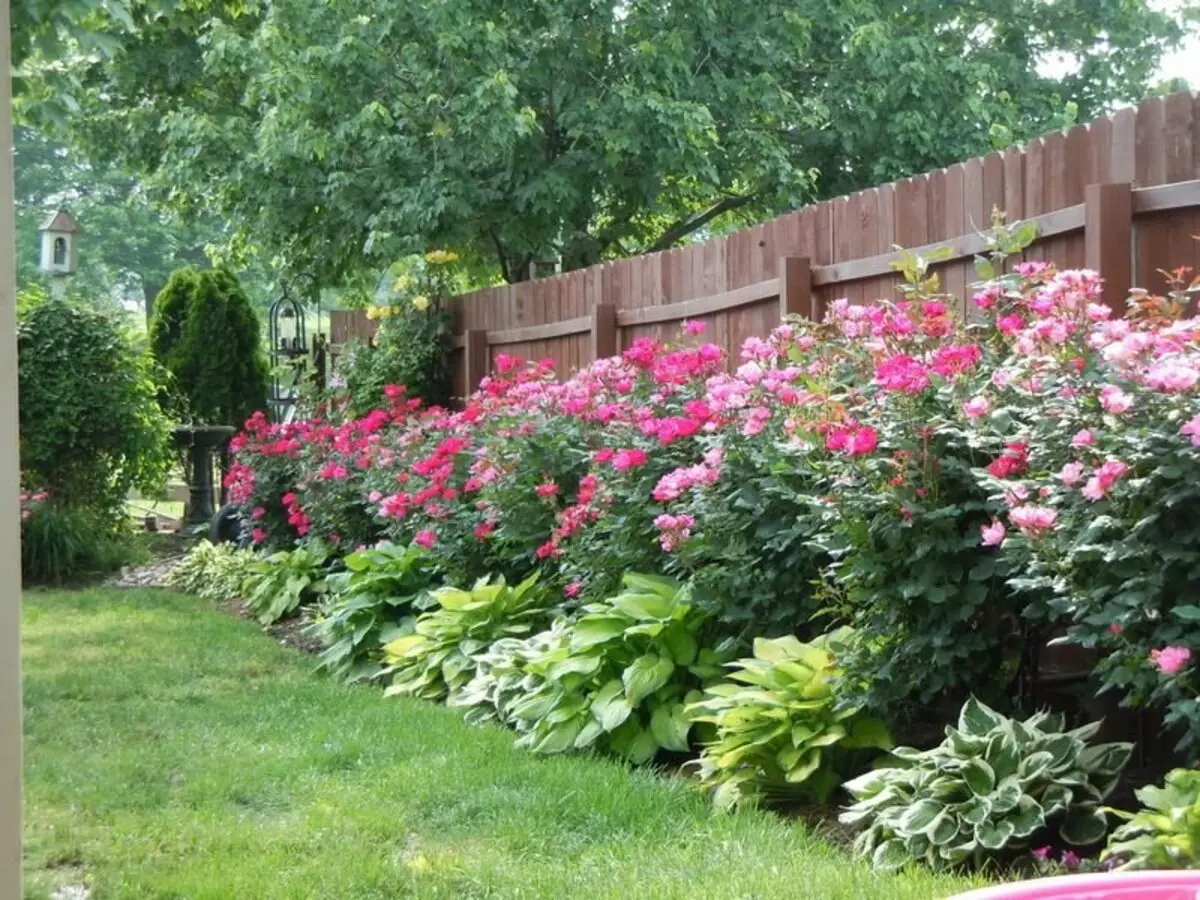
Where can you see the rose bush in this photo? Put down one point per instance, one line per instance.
(951, 491)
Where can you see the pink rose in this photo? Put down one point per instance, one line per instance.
(425, 539)
(1171, 659)
(1083, 438)
(1033, 521)
(976, 407)
(993, 534)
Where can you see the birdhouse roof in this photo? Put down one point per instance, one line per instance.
(60, 220)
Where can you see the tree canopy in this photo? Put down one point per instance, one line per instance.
(341, 136)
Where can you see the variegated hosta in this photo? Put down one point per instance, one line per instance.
(622, 677)
(437, 660)
(502, 678)
(779, 732)
(985, 790)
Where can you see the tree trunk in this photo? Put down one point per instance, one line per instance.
(149, 293)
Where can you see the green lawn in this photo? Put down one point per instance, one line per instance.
(173, 751)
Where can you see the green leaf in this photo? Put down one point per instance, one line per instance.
(610, 707)
(593, 630)
(977, 720)
(979, 777)
(890, 856)
(670, 727)
(1084, 826)
(1188, 613)
(920, 815)
(868, 733)
(994, 835)
(645, 676)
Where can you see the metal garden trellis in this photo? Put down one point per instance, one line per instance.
(288, 339)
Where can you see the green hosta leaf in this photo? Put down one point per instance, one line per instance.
(588, 734)
(1035, 766)
(977, 720)
(868, 733)
(592, 630)
(1002, 754)
(994, 835)
(979, 777)
(1187, 612)
(943, 829)
(642, 748)
(920, 815)
(805, 767)
(645, 607)
(1006, 796)
(610, 706)
(645, 676)
(559, 738)
(680, 644)
(670, 727)
(976, 810)
(890, 856)
(1084, 825)
(1027, 819)
(1105, 759)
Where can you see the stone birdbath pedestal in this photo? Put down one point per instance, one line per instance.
(201, 441)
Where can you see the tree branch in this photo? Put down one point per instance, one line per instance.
(685, 227)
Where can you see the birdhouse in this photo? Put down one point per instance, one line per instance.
(60, 251)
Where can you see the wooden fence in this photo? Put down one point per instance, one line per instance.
(1120, 195)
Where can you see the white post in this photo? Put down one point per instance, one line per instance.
(10, 533)
(58, 287)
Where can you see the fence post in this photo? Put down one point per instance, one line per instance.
(475, 359)
(604, 331)
(1108, 239)
(795, 288)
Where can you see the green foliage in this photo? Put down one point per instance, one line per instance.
(1165, 834)
(207, 335)
(213, 572)
(61, 541)
(91, 427)
(370, 604)
(619, 677)
(436, 660)
(985, 791)
(778, 731)
(574, 130)
(281, 583)
(502, 677)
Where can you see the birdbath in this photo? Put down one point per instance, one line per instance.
(202, 441)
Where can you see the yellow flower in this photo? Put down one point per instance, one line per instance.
(372, 312)
(421, 303)
(441, 257)
(401, 283)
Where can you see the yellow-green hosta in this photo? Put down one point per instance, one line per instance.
(779, 731)
(437, 660)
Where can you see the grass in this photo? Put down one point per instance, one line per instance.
(173, 751)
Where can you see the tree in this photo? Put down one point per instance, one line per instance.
(206, 335)
(346, 135)
(130, 246)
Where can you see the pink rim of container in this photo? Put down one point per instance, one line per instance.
(1104, 886)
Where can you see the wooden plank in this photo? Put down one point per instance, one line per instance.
(604, 337)
(475, 359)
(1177, 137)
(1035, 155)
(1063, 221)
(1108, 240)
(701, 306)
(1150, 163)
(536, 333)
(1181, 195)
(795, 287)
(1123, 147)
(1014, 185)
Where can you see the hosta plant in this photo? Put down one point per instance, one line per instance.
(985, 791)
(212, 571)
(1165, 834)
(621, 680)
(279, 584)
(437, 660)
(779, 732)
(501, 674)
(369, 604)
